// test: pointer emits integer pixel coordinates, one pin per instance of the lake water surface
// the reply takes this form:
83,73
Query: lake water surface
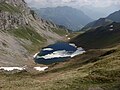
58,52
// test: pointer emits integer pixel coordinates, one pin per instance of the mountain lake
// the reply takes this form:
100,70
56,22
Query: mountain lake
58,52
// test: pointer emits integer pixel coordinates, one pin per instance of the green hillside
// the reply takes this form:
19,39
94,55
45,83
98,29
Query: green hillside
100,37
97,69
9,8
113,17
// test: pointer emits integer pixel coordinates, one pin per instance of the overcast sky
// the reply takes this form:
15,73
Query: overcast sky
73,3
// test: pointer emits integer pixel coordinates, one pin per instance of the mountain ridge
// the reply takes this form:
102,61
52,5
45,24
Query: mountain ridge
69,17
100,37
114,17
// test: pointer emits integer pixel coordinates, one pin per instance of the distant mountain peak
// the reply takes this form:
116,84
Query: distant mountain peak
69,17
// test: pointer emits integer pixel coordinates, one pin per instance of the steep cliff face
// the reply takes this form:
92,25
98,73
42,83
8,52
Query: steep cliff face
22,33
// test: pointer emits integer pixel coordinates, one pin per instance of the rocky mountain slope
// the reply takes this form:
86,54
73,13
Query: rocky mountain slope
22,33
69,17
114,17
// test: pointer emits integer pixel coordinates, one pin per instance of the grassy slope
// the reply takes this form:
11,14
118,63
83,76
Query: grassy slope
96,69
28,33
59,31
99,38
9,8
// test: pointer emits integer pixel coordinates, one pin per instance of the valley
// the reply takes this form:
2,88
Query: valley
37,53
96,69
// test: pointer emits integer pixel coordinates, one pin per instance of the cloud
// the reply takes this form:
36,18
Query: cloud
73,3
106,3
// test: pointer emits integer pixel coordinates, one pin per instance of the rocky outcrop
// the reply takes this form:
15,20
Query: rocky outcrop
23,15
9,21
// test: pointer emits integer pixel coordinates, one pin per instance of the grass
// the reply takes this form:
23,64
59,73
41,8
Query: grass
9,8
101,37
28,34
74,34
96,69
59,31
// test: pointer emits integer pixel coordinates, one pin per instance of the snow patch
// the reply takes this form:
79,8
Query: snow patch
12,68
40,68
68,38
78,52
22,68
35,55
56,54
47,49
62,54
111,26
72,44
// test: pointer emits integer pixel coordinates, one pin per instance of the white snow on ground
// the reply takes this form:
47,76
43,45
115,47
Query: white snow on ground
62,53
77,52
47,49
22,68
72,44
111,26
12,68
40,68
56,54
35,55
68,38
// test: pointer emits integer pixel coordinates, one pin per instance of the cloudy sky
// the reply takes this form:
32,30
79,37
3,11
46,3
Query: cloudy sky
73,3
94,8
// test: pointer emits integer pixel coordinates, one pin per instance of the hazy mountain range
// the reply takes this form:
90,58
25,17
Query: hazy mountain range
67,16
